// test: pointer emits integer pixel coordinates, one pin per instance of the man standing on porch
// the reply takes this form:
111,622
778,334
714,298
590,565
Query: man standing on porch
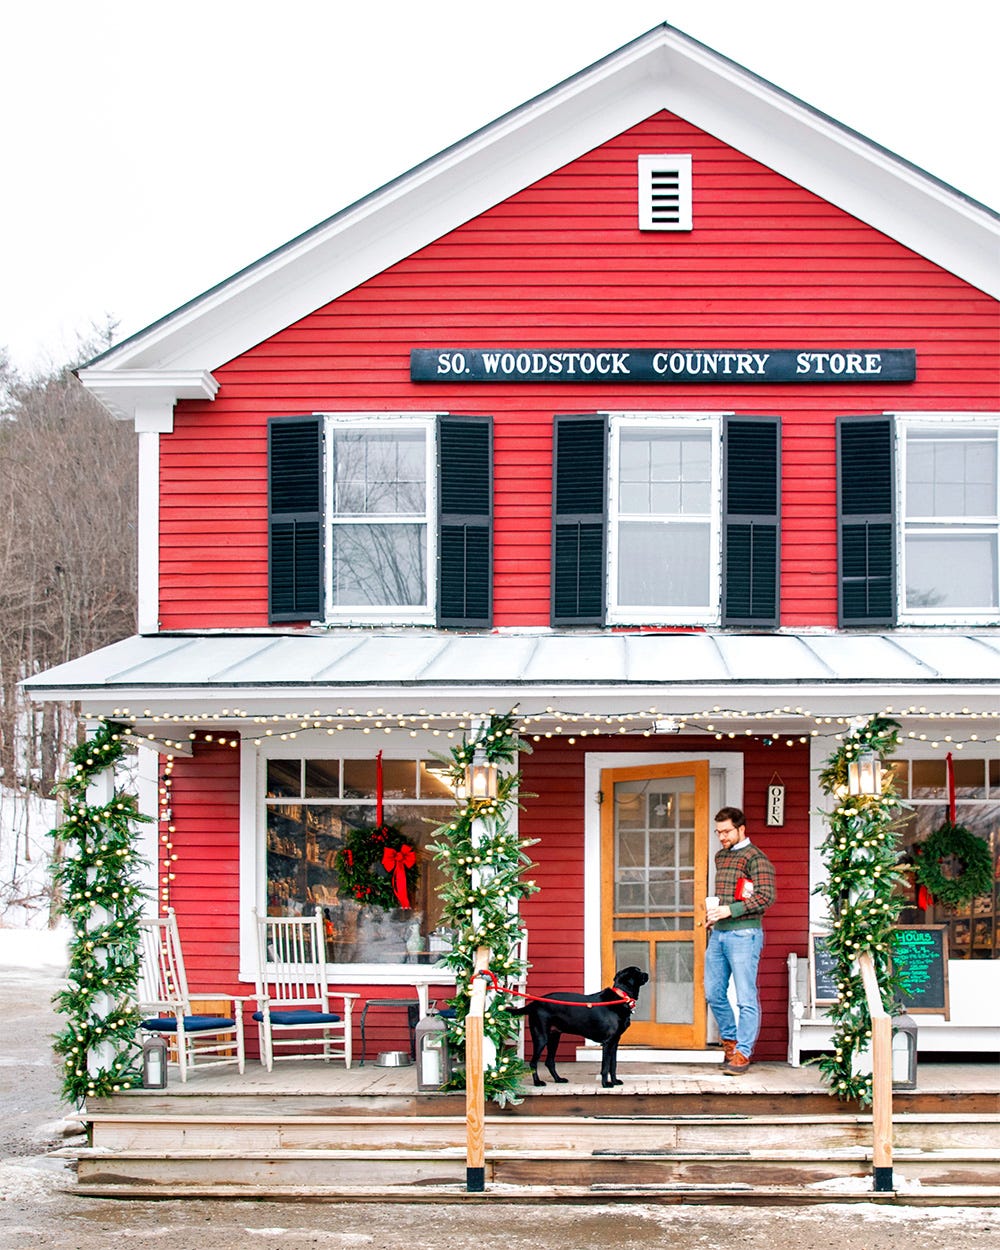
746,888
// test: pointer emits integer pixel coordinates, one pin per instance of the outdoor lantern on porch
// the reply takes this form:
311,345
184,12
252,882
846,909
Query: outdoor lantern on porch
481,777
154,1062
864,775
904,1053
434,1064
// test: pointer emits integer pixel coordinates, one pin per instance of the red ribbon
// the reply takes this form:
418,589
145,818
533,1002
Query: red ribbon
950,768
378,791
397,863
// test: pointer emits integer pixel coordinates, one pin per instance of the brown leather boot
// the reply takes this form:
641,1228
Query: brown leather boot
728,1047
736,1064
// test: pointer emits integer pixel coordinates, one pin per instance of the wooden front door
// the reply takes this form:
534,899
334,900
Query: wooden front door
654,869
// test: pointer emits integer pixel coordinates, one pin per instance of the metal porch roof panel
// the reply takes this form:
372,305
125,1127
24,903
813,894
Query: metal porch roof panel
321,661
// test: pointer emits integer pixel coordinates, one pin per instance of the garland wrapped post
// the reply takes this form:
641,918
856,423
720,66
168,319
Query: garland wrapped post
103,899
483,862
861,856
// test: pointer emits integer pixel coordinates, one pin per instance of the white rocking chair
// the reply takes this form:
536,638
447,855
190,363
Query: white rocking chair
293,997
165,1004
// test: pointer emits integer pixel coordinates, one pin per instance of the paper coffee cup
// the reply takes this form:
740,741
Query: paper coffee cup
711,901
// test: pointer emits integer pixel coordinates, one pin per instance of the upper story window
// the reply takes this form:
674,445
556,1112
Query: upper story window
951,521
919,519
381,499
665,519
380,518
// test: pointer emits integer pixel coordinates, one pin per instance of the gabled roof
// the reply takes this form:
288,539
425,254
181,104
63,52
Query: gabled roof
663,69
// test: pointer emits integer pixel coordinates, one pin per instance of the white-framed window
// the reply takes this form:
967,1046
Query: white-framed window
949,508
381,507
921,782
299,800
665,508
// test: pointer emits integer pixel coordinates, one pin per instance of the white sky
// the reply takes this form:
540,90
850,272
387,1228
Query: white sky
154,147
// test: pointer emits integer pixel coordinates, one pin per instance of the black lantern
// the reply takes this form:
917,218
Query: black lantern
154,1062
434,1064
904,1053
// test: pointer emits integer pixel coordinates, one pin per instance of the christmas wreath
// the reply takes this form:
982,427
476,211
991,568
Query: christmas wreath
377,865
953,841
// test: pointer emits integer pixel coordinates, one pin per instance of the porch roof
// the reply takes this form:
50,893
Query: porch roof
239,676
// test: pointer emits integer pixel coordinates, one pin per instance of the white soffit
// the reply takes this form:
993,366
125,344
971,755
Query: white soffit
663,69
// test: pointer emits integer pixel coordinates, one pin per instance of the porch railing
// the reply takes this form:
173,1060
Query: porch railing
475,1096
881,1077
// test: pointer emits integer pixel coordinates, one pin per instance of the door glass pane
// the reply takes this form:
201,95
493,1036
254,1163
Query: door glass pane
674,983
636,955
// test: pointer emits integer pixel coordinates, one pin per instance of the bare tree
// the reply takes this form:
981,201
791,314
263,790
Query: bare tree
67,552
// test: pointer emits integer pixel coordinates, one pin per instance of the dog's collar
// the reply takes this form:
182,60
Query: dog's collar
630,1002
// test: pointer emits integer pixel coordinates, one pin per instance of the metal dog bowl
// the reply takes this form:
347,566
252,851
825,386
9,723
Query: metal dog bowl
393,1059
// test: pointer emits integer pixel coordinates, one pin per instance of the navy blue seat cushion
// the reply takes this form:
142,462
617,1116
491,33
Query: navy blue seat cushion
192,1024
301,1016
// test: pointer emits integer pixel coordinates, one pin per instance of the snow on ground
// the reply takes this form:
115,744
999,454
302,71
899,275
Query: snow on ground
25,851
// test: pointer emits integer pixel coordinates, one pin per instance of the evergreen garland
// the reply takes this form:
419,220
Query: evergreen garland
973,853
483,861
104,902
861,857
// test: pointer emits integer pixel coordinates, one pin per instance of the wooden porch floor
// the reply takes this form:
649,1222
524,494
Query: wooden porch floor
309,1078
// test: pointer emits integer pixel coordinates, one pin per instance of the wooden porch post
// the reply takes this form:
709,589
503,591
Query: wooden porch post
881,1078
475,1096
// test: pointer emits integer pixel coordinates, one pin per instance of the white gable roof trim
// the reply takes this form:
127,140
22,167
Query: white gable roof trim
663,69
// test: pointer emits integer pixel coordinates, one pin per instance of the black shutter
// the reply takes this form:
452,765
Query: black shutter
295,518
866,521
751,521
579,519
465,522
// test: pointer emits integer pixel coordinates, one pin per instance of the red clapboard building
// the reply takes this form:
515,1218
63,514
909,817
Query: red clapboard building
666,410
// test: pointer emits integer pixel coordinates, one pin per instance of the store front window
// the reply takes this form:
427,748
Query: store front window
973,927
311,805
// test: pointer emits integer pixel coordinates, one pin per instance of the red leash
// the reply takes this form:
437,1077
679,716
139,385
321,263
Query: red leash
561,1002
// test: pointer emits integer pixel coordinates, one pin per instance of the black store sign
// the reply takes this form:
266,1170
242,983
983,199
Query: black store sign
663,364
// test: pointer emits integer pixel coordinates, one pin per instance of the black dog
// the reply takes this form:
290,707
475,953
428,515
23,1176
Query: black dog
602,1017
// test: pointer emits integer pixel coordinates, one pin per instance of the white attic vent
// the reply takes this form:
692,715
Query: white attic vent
665,192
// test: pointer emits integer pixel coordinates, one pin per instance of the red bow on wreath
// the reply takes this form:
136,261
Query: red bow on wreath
396,863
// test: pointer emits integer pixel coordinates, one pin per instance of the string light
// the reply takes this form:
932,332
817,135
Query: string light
551,722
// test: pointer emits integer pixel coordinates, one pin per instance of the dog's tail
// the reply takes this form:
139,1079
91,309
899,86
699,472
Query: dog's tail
516,1011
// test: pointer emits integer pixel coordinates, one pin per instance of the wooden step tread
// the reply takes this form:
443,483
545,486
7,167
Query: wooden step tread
937,1196
608,1121
335,1153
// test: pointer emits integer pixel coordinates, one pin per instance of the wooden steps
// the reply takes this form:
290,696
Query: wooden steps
323,1155
695,1136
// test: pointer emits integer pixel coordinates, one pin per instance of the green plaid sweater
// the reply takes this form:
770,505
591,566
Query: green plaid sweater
749,862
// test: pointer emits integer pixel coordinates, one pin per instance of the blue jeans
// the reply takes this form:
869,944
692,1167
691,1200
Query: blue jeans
734,953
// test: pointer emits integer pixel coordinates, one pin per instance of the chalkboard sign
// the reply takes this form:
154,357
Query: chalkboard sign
822,970
920,961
